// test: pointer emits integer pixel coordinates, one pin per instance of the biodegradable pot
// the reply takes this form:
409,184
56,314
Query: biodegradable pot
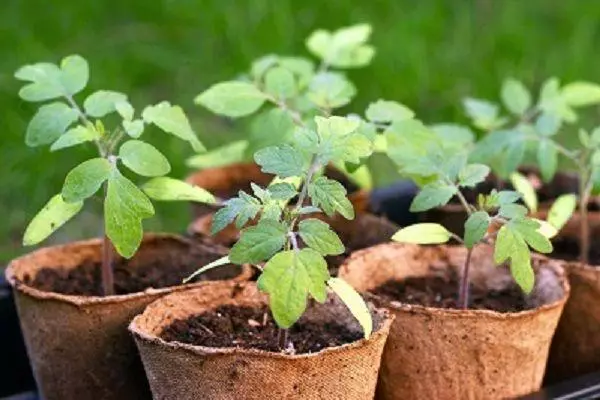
182,371
226,182
79,346
435,353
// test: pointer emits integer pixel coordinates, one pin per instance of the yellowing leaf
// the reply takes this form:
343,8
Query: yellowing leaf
354,302
425,233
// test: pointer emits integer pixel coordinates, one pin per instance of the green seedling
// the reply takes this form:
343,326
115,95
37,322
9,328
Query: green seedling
537,125
291,244
62,123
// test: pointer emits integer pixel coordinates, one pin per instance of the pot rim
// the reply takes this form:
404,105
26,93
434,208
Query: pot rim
205,351
398,306
85,301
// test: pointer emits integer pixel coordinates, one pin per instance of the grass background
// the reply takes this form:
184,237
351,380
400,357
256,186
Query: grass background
430,54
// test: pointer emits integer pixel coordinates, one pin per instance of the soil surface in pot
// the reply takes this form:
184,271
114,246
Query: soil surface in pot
86,279
254,328
441,291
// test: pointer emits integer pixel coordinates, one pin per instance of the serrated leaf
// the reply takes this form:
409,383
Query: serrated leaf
172,119
476,227
515,96
561,210
51,217
354,302
282,191
547,124
547,157
49,123
85,179
102,102
388,111
74,136
579,94
283,160
259,243
318,235
134,129
169,189
279,82
289,277
431,196
330,196
424,233
241,209
473,174
507,244
483,113
232,99
220,156
144,159
335,126
125,206
524,186
330,90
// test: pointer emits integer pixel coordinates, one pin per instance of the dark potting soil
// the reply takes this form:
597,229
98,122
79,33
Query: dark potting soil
442,292
567,248
254,328
86,279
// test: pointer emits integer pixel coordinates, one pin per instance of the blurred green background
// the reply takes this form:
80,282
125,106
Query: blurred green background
429,55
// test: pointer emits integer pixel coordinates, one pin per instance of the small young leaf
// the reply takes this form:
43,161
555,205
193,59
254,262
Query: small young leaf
134,129
562,209
125,109
172,119
54,215
169,189
49,123
219,157
579,94
344,48
335,126
261,65
476,227
528,229
259,243
515,96
217,263
523,186
473,174
547,124
388,111
102,102
283,160
483,113
282,191
546,229
75,73
424,233
431,196
330,196
280,83
508,197
330,90
354,302
241,209
85,179
547,156
74,136
144,159
511,211
232,99
317,235
45,82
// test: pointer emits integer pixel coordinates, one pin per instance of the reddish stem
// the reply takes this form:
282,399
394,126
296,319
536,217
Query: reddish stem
463,290
108,280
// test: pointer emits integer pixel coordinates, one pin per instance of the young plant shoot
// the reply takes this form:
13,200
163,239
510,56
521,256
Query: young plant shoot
63,123
537,125
442,170
292,244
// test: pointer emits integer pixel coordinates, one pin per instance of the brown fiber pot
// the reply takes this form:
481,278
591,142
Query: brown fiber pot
79,346
435,353
182,371
226,182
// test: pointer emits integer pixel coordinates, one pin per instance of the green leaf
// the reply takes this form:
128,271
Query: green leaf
547,124
522,272
388,111
476,227
424,233
561,210
523,186
125,206
580,94
125,109
354,302
303,68
258,243
232,99
74,136
336,126
515,96
289,277
330,196
508,244
172,119
432,195
483,113
454,135
318,236
134,129
508,197
330,90
49,123
144,159
54,215
219,157
85,179
270,127
241,209
513,157
547,157
217,263
473,174
344,48
511,211
280,83
528,229
102,102
283,160
261,65
169,189
75,73
282,191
